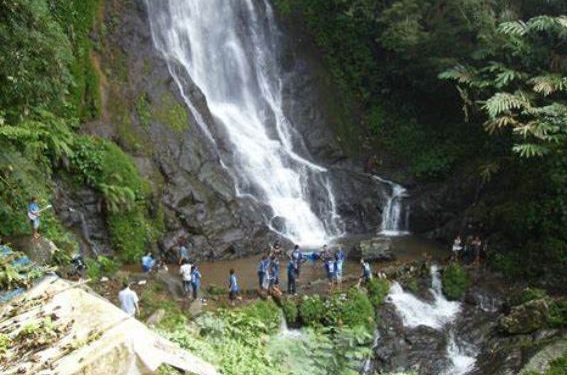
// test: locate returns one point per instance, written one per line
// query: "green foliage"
(377, 289)
(34, 67)
(144, 110)
(312, 310)
(290, 310)
(558, 313)
(518, 94)
(455, 281)
(171, 113)
(528, 294)
(557, 367)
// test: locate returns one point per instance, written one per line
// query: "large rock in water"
(378, 248)
(526, 318)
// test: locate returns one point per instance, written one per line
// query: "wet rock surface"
(182, 163)
(477, 331)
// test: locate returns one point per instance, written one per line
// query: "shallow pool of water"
(406, 248)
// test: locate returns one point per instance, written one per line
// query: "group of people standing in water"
(269, 267)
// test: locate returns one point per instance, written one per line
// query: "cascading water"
(394, 216)
(438, 315)
(229, 50)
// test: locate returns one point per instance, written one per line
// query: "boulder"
(378, 248)
(526, 318)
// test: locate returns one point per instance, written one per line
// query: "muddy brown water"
(216, 273)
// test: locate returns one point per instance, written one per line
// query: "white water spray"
(438, 315)
(229, 50)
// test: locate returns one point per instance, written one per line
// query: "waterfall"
(395, 216)
(439, 315)
(229, 49)
(416, 312)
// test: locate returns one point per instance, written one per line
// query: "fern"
(548, 84)
(528, 150)
(503, 103)
(459, 73)
(515, 28)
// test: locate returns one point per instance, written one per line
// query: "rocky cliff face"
(144, 113)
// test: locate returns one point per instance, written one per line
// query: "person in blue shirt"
(232, 287)
(339, 260)
(366, 272)
(274, 271)
(330, 267)
(183, 254)
(297, 258)
(262, 271)
(195, 281)
(33, 214)
(148, 262)
(291, 278)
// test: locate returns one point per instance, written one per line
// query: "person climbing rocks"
(297, 258)
(263, 265)
(129, 300)
(186, 276)
(183, 254)
(148, 262)
(195, 281)
(366, 272)
(232, 287)
(291, 278)
(457, 248)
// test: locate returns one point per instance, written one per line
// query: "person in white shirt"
(129, 300)
(185, 272)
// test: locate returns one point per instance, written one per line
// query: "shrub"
(266, 312)
(526, 295)
(290, 311)
(312, 310)
(357, 310)
(377, 289)
(94, 271)
(455, 281)
(558, 313)
(557, 367)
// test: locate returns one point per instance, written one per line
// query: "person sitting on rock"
(366, 272)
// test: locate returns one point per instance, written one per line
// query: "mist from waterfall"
(229, 49)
